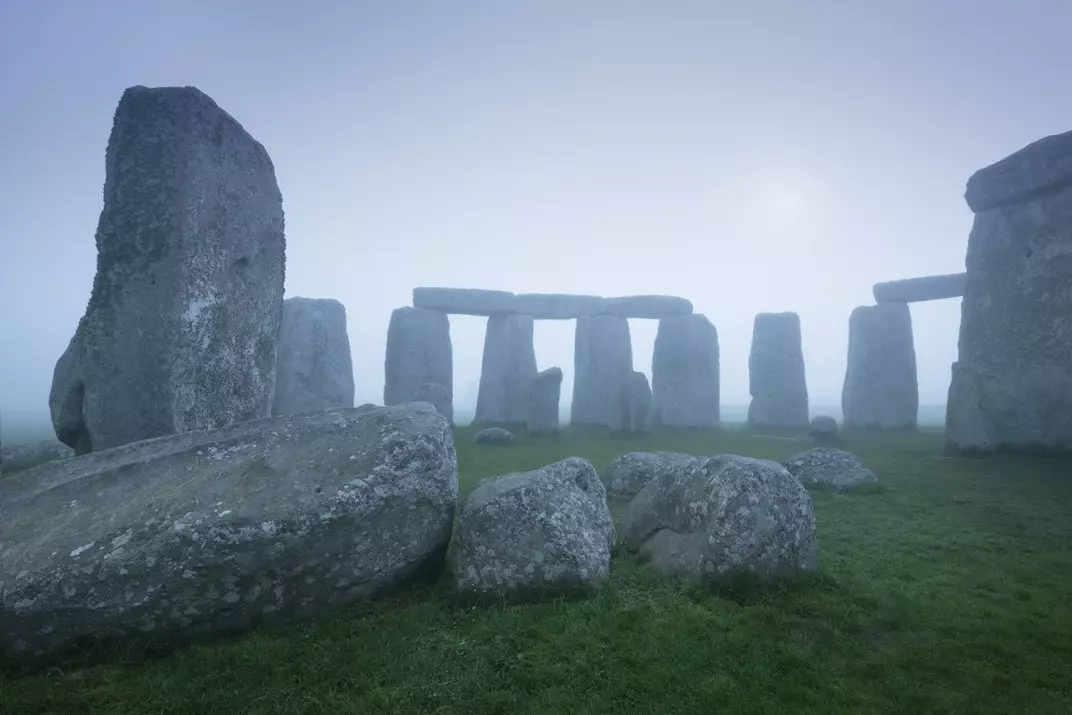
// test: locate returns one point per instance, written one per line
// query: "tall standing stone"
(314, 370)
(545, 394)
(685, 372)
(776, 377)
(419, 366)
(181, 327)
(1011, 386)
(603, 364)
(880, 389)
(506, 374)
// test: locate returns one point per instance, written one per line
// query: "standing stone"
(636, 404)
(684, 372)
(419, 366)
(507, 371)
(181, 327)
(776, 378)
(1011, 386)
(880, 389)
(545, 394)
(603, 364)
(314, 371)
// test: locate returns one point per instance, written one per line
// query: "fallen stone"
(180, 331)
(717, 517)
(551, 306)
(647, 306)
(823, 427)
(419, 366)
(545, 392)
(829, 468)
(637, 404)
(314, 370)
(264, 522)
(1042, 167)
(914, 290)
(603, 366)
(465, 301)
(17, 457)
(684, 372)
(507, 370)
(880, 389)
(494, 435)
(630, 473)
(524, 536)
(776, 378)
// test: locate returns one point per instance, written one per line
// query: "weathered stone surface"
(637, 409)
(880, 389)
(506, 374)
(630, 473)
(545, 393)
(552, 306)
(1042, 167)
(419, 366)
(16, 457)
(829, 468)
(647, 306)
(314, 370)
(716, 517)
(181, 327)
(544, 532)
(823, 427)
(602, 368)
(776, 377)
(914, 290)
(465, 301)
(684, 372)
(494, 435)
(267, 521)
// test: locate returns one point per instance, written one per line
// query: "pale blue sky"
(759, 156)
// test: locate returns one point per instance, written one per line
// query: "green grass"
(947, 590)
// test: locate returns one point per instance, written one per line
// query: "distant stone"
(180, 332)
(637, 410)
(717, 517)
(537, 534)
(494, 435)
(630, 473)
(914, 290)
(203, 533)
(507, 370)
(419, 366)
(16, 457)
(823, 427)
(647, 306)
(603, 366)
(314, 369)
(465, 301)
(545, 394)
(880, 389)
(829, 468)
(685, 372)
(552, 306)
(1042, 167)
(776, 377)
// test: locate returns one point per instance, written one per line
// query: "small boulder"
(494, 435)
(630, 473)
(823, 428)
(829, 468)
(547, 532)
(713, 518)
(16, 457)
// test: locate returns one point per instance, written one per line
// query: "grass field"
(948, 590)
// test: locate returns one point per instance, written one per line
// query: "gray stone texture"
(267, 521)
(637, 410)
(314, 370)
(603, 367)
(630, 473)
(493, 435)
(829, 468)
(880, 389)
(507, 371)
(547, 532)
(545, 394)
(419, 366)
(915, 290)
(648, 306)
(713, 518)
(549, 306)
(776, 377)
(16, 457)
(685, 372)
(181, 326)
(464, 301)
(823, 428)
(1042, 167)
(556, 306)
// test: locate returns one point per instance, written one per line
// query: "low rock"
(823, 427)
(494, 435)
(829, 468)
(713, 518)
(630, 473)
(16, 457)
(547, 532)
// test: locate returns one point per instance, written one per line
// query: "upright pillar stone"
(419, 366)
(507, 371)
(685, 372)
(180, 331)
(314, 370)
(545, 394)
(603, 365)
(880, 389)
(776, 378)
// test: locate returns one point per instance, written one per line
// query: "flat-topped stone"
(648, 306)
(465, 301)
(915, 290)
(547, 306)
(1040, 167)
(559, 306)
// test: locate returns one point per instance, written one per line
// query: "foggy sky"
(760, 156)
